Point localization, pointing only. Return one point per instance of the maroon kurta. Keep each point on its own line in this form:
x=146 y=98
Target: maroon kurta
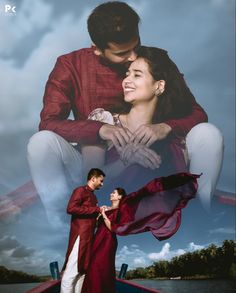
x=81 y=82
x=84 y=210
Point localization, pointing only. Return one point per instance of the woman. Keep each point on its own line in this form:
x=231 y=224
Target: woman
x=153 y=87
x=156 y=207
x=101 y=273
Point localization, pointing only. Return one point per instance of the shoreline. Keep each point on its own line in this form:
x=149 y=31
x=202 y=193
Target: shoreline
x=199 y=277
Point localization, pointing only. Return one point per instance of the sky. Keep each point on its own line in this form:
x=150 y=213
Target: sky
x=199 y=37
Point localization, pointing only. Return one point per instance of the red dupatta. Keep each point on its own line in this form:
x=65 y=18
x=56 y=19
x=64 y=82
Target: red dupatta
x=157 y=206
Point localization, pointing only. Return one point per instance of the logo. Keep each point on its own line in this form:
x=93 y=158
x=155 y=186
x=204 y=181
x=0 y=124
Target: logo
x=10 y=9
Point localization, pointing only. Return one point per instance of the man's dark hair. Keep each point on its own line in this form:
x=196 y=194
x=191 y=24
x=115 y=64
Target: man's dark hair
x=95 y=172
x=112 y=22
x=121 y=191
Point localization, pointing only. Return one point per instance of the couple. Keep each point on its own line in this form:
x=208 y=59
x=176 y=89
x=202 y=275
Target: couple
x=156 y=92
x=156 y=207
x=91 y=78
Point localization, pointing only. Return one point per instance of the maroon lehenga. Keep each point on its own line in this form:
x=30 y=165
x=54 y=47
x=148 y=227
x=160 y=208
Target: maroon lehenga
x=101 y=273
x=156 y=208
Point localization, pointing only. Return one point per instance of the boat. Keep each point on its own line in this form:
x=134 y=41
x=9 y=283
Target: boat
x=122 y=286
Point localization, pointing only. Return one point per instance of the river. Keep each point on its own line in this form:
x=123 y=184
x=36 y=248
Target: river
x=187 y=286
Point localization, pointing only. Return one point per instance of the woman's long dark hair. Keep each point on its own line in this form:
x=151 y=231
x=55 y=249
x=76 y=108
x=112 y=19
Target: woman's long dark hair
x=177 y=100
x=121 y=191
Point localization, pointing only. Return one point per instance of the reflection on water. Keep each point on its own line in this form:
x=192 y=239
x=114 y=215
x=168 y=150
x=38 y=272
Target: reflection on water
x=187 y=286
x=17 y=288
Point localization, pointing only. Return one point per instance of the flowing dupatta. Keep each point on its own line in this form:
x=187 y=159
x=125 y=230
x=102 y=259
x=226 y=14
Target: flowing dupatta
x=157 y=206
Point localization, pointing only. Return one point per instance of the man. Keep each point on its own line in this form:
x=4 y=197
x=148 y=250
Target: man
x=90 y=78
x=83 y=209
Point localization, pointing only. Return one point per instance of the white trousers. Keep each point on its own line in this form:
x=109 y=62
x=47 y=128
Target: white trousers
x=72 y=281
x=205 y=146
x=56 y=166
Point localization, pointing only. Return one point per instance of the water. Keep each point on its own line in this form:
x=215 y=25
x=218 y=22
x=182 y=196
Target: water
x=17 y=288
x=187 y=286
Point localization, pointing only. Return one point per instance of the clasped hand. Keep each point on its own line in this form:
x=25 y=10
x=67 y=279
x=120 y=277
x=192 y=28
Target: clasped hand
x=134 y=147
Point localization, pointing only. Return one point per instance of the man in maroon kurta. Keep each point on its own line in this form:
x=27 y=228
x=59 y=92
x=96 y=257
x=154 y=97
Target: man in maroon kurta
x=81 y=82
x=83 y=209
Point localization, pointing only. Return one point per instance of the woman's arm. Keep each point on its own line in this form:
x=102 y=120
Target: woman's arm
x=106 y=220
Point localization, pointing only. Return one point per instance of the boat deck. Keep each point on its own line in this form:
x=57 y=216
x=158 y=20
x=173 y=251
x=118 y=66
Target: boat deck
x=122 y=286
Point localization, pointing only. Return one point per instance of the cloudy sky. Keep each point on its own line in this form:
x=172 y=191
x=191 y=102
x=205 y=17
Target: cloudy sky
x=200 y=38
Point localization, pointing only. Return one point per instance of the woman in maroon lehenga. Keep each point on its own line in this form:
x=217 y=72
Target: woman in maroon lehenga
x=101 y=273
x=156 y=208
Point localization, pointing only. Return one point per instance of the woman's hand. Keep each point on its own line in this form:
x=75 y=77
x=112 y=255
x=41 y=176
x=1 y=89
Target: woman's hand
x=147 y=134
x=119 y=136
x=140 y=154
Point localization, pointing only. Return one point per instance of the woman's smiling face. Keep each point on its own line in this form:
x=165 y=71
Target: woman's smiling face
x=115 y=195
x=139 y=84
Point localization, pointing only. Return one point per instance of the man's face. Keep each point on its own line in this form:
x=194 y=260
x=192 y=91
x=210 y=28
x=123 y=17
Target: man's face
x=98 y=182
x=120 y=53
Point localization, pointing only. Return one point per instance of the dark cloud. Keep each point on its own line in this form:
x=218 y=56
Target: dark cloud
x=22 y=252
x=8 y=243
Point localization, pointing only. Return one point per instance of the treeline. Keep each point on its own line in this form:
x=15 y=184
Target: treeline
x=212 y=262
x=11 y=276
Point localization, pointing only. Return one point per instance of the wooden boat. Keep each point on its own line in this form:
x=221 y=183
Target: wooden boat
x=122 y=286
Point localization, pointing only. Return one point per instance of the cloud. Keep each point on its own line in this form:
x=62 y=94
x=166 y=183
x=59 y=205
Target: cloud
x=23 y=252
x=132 y=255
x=166 y=253
x=163 y=254
x=23 y=101
x=27 y=20
x=8 y=243
x=136 y=257
x=15 y=255
x=225 y=230
x=193 y=247
x=219 y=216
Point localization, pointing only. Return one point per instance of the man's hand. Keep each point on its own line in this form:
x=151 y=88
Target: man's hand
x=140 y=154
x=147 y=134
x=118 y=135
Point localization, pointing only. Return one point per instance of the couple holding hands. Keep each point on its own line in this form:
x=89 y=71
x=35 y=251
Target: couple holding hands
x=156 y=207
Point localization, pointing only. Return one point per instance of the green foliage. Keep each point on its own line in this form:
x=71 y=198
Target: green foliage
x=11 y=276
x=211 y=262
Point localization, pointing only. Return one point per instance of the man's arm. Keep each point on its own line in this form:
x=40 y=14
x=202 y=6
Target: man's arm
x=57 y=105
x=76 y=207
x=182 y=126
x=149 y=133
